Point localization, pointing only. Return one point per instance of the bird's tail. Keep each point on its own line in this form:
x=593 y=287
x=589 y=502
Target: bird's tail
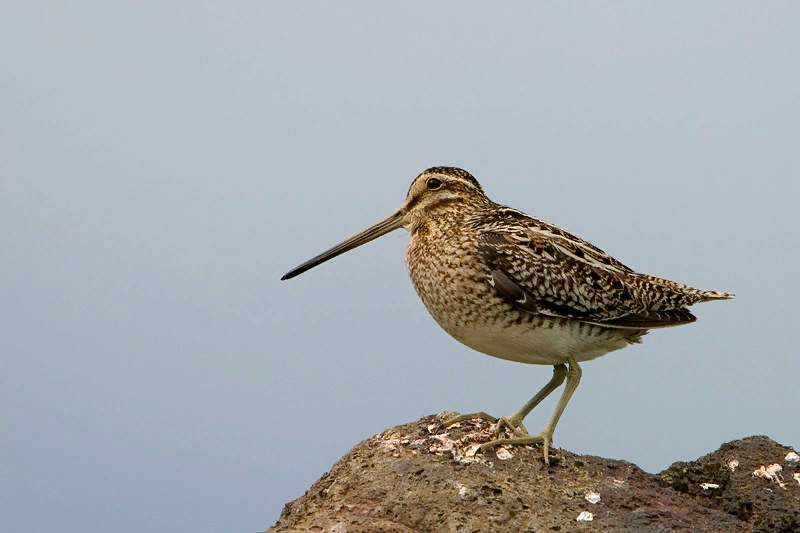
x=708 y=296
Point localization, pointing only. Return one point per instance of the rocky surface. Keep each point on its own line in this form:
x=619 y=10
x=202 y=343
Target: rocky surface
x=423 y=477
x=754 y=479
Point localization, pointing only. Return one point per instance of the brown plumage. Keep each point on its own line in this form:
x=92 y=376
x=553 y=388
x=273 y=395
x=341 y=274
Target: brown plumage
x=516 y=287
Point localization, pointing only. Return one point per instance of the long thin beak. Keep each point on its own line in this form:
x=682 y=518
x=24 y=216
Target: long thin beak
x=383 y=227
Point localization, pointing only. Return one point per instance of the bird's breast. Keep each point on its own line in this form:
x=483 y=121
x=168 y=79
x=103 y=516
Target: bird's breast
x=450 y=278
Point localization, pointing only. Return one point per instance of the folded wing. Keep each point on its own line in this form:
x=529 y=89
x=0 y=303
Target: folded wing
x=562 y=276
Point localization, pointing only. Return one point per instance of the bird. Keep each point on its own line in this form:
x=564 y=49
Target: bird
x=513 y=286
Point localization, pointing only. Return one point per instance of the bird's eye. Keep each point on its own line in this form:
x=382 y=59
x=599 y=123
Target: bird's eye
x=433 y=183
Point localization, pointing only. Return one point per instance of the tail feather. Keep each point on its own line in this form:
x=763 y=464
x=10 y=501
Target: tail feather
x=708 y=296
x=684 y=295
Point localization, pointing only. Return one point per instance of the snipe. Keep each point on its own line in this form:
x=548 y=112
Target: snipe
x=516 y=287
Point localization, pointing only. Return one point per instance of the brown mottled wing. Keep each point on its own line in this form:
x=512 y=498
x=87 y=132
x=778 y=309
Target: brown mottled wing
x=652 y=319
x=561 y=277
x=518 y=296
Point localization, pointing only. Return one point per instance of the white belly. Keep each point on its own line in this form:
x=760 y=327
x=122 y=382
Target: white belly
x=540 y=345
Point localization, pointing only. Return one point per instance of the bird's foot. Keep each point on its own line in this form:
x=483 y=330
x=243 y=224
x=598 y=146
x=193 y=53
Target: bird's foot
x=516 y=428
x=463 y=418
x=545 y=438
x=521 y=436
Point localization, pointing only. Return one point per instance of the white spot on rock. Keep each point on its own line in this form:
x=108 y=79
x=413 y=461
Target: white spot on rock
x=617 y=482
x=732 y=464
x=392 y=442
x=792 y=457
x=771 y=472
x=466 y=493
x=503 y=453
x=585 y=516
x=707 y=486
x=797 y=477
x=472 y=450
x=440 y=444
x=592 y=497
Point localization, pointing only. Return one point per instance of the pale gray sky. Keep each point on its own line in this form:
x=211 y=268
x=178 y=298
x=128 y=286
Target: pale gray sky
x=162 y=165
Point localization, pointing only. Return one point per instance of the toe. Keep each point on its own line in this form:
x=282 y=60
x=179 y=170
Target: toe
x=471 y=416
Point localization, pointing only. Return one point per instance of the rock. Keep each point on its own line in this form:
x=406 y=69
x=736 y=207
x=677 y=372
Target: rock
x=423 y=477
x=756 y=481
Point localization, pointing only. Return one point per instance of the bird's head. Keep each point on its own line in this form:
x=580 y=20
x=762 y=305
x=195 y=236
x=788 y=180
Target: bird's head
x=437 y=192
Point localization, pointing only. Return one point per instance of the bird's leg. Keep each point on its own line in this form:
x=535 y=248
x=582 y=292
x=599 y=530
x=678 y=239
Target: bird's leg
x=573 y=376
x=573 y=380
x=514 y=422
